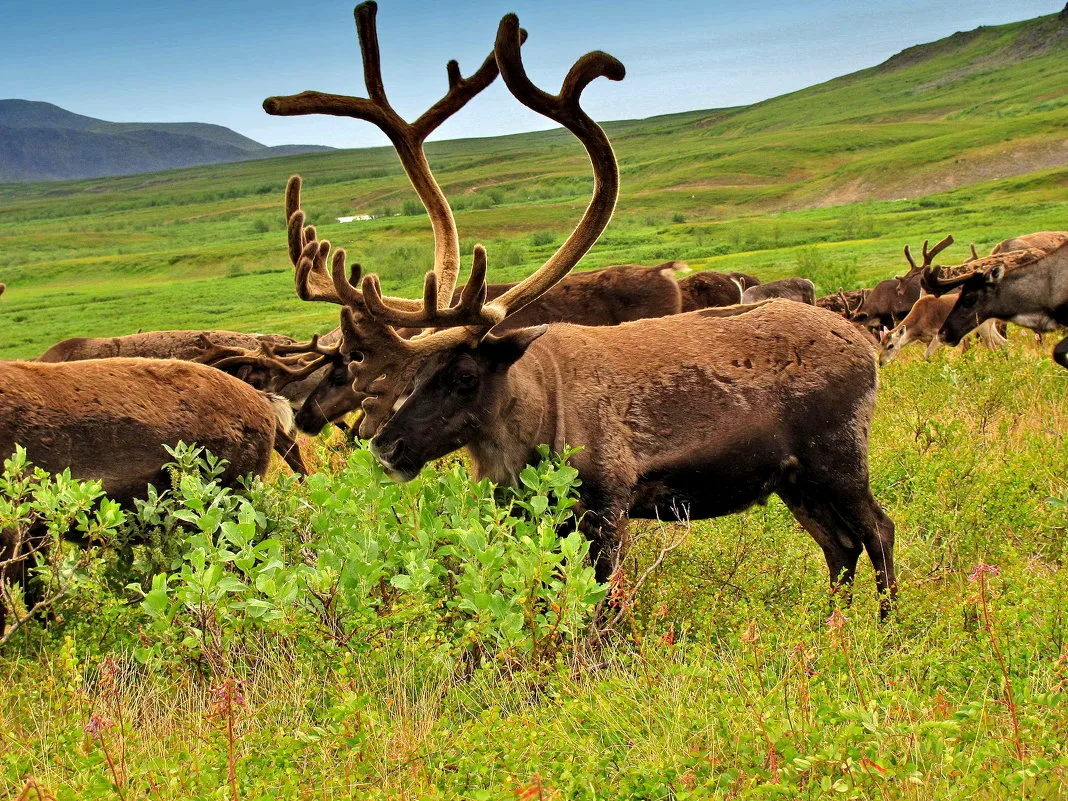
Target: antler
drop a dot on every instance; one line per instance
(292, 365)
(565, 109)
(975, 256)
(933, 280)
(389, 362)
(928, 256)
(407, 138)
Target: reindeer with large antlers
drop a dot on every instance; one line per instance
(890, 300)
(656, 405)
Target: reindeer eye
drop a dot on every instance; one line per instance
(466, 382)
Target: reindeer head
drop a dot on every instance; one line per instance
(979, 289)
(442, 383)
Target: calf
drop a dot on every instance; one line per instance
(922, 325)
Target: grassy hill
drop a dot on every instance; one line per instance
(964, 135)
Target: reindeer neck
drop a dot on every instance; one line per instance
(530, 415)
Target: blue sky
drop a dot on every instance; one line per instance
(215, 60)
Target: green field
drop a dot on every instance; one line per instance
(963, 136)
(346, 637)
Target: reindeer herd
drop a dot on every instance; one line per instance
(690, 399)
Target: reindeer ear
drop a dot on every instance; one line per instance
(997, 272)
(506, 349)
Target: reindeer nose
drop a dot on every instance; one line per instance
(388, 454)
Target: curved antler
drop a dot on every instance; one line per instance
(292, 365)
(928, 257)
(565, 109)
(407, 138)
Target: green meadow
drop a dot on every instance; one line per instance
(343, 636)
(962, 136)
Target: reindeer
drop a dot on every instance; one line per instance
(799, 290)
(1027, 287)
(654, 403)
(711, 289)
(922, 324)
(1043, 240)
(109, 420)
(890, 300)
(207, 347)
(608, 296)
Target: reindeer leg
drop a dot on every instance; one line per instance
(286, 447)
(932, 346)
(1060, 353)
(839, 511)
(840, 549)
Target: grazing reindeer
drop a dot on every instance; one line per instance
(109, 419)
(711, 289)
(799, 290)
(1026, 287)
(207, 347)
(654, 404)
(889, 301)
(923, 323)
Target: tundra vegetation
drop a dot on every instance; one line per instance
(344, 636)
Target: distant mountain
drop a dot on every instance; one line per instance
(43, 142)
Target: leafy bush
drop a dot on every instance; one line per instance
(37, 511)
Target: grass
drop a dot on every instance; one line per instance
(729, 681)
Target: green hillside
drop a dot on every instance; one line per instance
(965, 135)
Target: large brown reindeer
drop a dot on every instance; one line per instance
(691, 416)
(608, 296)
(1043, 240)
(109, 419)
(216, 348)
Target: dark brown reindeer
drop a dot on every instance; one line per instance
(654, 404)
(711, 289)
(889, 301)
(608, 296)
(799, 290)
(109, 419)
(207, 347)
(1025, 287)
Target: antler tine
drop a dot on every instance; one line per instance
(566, 110)
(975, 256)
(911, 261)
(469, 311)
(407, 138)
(929, 255)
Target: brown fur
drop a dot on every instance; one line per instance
(710, 289)
(188, 346)
(109, 420)
(799, 290)
(1048, 241)
(608, 296)
(696, 415)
